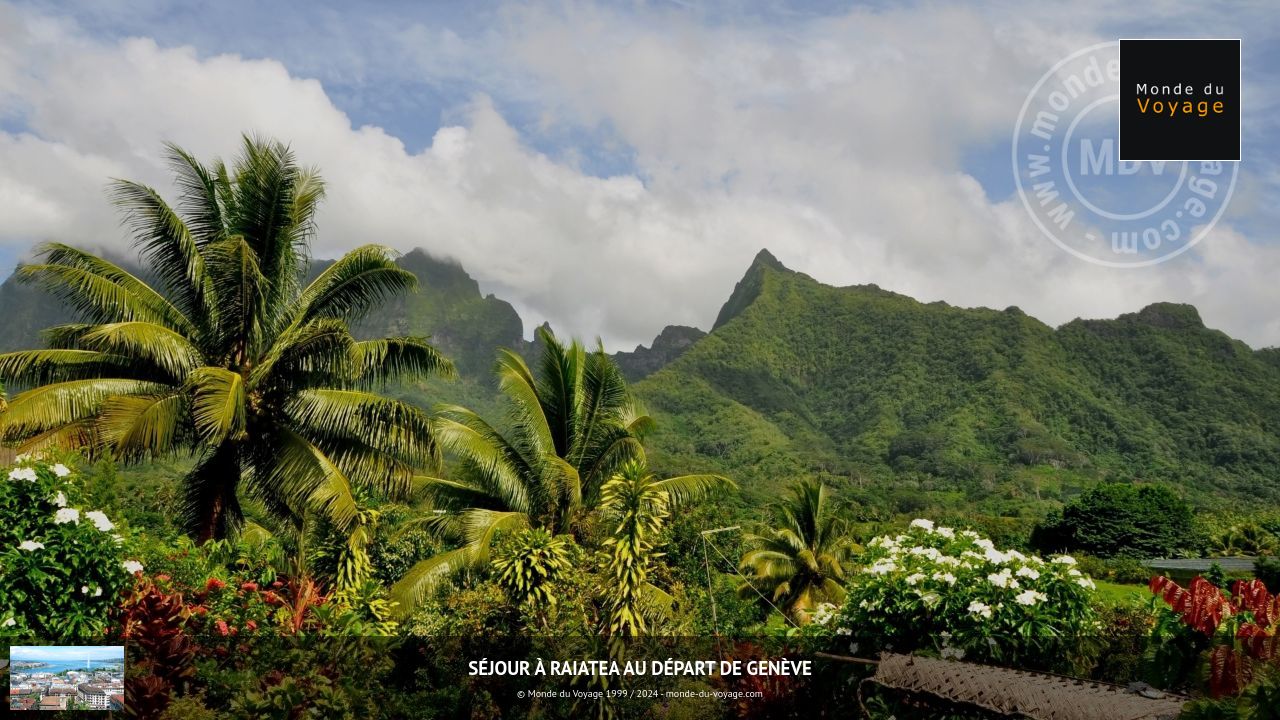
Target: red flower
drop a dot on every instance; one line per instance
(251, 625)
(249, 587)
(214, 584)
(199, 609)
(221, 625)
(277, 584)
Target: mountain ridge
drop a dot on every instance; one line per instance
(867, 387)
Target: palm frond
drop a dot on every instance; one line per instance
(41, 367)
(145, 304)
(145, 343)
(685, 489)
(53, 406)
(428, 575)
(140, 427)
(360, 280)
(167, 248)
(378, 362)
(393, 427)
(218, 403)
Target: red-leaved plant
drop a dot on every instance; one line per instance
(1244, 626)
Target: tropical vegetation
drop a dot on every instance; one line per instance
(800, 563)
(282, 518)
(62, 564)
(226, 353)
(567, 431)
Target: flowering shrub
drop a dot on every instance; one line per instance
(61, 566)
(935, 588)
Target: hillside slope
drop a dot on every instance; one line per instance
(875, 389)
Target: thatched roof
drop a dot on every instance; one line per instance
(1021, 694)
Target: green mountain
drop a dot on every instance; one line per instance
(903, 404)
(911, 404)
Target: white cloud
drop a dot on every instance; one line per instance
(837, 144)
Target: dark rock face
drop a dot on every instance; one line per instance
(669, 345)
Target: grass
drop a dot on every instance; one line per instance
(1119, 594)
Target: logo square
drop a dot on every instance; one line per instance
(1180, 99)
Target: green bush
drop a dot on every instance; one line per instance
(1123, 570)
(1267, 569)
(934, 588)
(1142, 521)
(62, 568)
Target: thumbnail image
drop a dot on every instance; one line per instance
(66, 677)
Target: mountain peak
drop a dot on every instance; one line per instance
(1170, 316)
(764, 258)
(748, 288)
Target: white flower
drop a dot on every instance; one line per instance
(1030, 597)
(926, 525)
(1015, 555)
(1086, 583)
(995, 557)
(97, 592)
(931, 598)
(31, 545)
(1065, 560)
(67, 515)
(24, 457)
(1074, 572)
(882, 567)
(60, 500)
(61, 470)
(1027, 572)
(1003, 579)
(824, 613)
(985, 544)
(946, 532)
(915, 578)
(117, 538)
(844, 631)
(969, 534)
(945, 577)
(131, 566)
(84, 589)
(23, 473)
(10, 622)
(100, 520)
(980, 608)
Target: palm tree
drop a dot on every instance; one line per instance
(800, 563)
(229, 356)
(568, 430)
(1244, 539)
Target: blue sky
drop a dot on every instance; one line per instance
(612, 167)
(66, 653)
